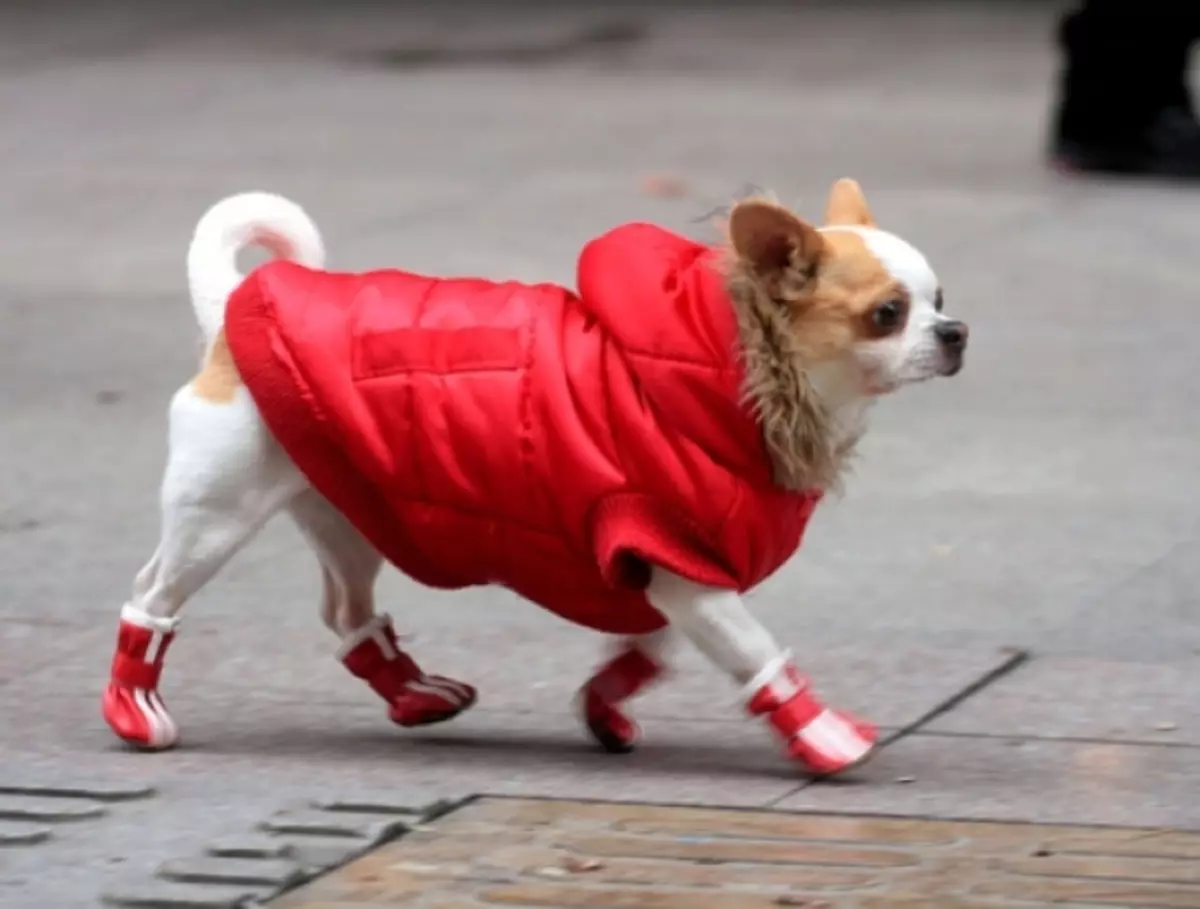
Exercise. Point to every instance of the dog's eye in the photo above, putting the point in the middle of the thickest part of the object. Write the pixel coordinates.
(888, 315)
(937, 300)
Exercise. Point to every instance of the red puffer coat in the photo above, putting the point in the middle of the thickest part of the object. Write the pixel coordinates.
(554, 443)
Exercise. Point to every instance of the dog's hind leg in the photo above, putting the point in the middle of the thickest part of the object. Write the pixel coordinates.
(224, 479)
(370, 649)
(638, 662)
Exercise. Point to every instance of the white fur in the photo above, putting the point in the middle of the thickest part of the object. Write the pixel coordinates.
(914, 354)
(717, 622)
(233, 225)
(226, 476)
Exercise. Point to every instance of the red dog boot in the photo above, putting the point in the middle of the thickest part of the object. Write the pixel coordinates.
(132, 705)
(611, 686)
(414, 699)
(825, 741)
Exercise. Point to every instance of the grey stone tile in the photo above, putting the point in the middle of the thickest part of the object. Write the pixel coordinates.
(1149, 616)
(893, 683)
(354, 825)
(171, 895)
(309, 749)
(380, 802)
(236, 871)
(317, 852)
(202, 803)
(1017, 779)
(15, 833)
(298, 843)
(27, 646)
(24, 808)
(1061, 697)
(534, 665)
(249, 846)
(533, 661)
(75, 784)
(213, 787)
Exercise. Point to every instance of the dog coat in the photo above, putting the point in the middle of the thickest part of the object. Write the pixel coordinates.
(555, 443)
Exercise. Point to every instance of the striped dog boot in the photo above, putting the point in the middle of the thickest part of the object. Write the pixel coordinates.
(823, 741)
(616, 682)
(414, 699)
(132, 706)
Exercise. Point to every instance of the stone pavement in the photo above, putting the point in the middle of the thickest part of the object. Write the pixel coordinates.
(1041, 503)
(572, 855)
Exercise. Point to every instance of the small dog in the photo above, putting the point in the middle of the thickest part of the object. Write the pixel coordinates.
(632, 455)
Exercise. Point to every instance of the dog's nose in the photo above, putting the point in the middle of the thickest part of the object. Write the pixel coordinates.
(952, 334)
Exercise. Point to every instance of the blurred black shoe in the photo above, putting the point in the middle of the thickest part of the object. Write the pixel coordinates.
(1167, 146)
(1123, 100)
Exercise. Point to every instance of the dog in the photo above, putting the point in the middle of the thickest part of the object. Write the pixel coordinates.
(633, 454)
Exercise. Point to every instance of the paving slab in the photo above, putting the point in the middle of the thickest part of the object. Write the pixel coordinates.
(205, 839)
(174, 895)
(1080, 698)
(1021, 780)
(22, 808)
(225, 870)
(47, 810)
(28, 644)
(16, 833)
(526, 663)
(322, 748)
(1149, 617)
(79, 786)
(578, 854)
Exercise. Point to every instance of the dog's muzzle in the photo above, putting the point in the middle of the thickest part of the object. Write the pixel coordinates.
(952, 340)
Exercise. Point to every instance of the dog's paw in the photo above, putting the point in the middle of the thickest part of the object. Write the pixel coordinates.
(833, 743)
(622, 678)
(428, 700)
(612, 730)
(825, 742)
(139, 717)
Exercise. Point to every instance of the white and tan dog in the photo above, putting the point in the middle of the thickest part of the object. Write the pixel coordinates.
(864, 317)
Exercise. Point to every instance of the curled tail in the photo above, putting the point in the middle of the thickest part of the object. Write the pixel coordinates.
(232, 225)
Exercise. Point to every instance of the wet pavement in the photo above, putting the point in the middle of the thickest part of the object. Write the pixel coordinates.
(1008, 587)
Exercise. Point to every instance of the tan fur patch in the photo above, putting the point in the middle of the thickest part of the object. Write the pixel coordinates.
(838, 309)
(792, 319)
(218, 381)
(848, 205)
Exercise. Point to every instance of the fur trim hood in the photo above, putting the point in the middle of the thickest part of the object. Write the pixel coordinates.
(676, 305)
(808, 446)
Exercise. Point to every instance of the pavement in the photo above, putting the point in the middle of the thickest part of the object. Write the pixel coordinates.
(1008, 586)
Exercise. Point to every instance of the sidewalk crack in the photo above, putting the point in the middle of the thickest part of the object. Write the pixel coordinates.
(1015, 658)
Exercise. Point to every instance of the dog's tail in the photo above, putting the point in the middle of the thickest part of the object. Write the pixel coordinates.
(231, 226)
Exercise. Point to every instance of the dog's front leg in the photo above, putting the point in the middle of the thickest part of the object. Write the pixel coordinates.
(824, 741)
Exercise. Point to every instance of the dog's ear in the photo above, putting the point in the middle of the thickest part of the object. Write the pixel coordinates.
(773, 241)
(848, 206)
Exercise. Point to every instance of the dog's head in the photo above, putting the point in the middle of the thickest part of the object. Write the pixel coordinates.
(864, 306)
